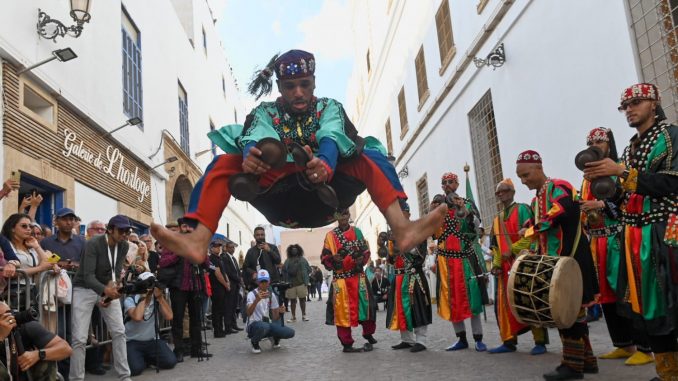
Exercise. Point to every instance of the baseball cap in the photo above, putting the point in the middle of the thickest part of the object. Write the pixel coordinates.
(120, 222)
(218, 239)
(262, 275)
(63, 212)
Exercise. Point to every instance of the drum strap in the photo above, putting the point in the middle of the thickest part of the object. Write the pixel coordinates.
(576, 239)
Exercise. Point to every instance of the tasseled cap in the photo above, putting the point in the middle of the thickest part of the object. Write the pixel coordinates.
(598, 134)
(529, 157)
(640, 91)
(449, 176)
(290, 65)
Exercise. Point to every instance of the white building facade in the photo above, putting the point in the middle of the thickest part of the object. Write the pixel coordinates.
(417, 89)
(160, 61)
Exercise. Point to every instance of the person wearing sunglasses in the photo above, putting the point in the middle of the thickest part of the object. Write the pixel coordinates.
(338, 165)
(648, 170)
(95, 284)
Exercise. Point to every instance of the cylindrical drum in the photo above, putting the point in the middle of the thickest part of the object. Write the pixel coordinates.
(545, 291)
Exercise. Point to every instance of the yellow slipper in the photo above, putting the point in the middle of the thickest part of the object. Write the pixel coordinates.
(639, 358)
(619, 353)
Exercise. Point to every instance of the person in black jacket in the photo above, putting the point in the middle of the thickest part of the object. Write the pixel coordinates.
(261, 256)
(220, 287)
(232, 270)
(380, 287)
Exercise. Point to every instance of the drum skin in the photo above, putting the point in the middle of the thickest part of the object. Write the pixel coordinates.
(548, 291)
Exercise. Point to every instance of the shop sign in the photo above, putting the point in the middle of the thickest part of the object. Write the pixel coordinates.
(111, 164)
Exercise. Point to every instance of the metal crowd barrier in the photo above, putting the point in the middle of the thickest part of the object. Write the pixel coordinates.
(21, 294)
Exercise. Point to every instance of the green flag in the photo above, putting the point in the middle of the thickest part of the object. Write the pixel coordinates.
(469, 192)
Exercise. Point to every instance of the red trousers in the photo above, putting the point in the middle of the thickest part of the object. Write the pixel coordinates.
(344, 333)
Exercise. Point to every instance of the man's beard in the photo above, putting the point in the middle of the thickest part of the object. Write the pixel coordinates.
(261, 240)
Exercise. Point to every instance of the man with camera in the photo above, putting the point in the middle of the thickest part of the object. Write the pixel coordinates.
(95, 283)
(142, 328)
(35, 349)
(380, 287)
(263, 314)
(261, 256)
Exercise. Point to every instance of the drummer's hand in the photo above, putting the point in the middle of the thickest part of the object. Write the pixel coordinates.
(602, 168)
(254, 164)
(315, 168)
(588, 206)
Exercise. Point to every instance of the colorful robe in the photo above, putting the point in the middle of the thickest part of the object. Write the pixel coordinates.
(606, 245)
(557, 229)
(506, 244)
(650, 278)
(350, 300)
(409, 298)
(458, 293)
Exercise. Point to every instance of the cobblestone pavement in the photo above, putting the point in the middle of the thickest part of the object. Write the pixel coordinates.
(314, 354)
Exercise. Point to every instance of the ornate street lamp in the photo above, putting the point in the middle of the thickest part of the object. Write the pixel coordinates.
(50, 28)
(496, 58)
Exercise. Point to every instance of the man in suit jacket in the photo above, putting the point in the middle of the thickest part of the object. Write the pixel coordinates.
(95, 283)
(220, 286)
(232, 270)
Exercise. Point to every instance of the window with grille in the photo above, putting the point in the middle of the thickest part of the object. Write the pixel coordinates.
(444, 30)
(422, 81)
(183, 120)
(389, 138)
(486, 157)
(402, 110)
(422, 195)
(655, 27)
(132, 101)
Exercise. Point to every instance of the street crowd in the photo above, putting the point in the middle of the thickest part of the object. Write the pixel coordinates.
(608, 245)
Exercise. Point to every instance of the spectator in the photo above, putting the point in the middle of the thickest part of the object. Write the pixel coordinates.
(46, 230)
(220, 286)
(153, 256)
(318, 277)
(311, 285)
(296, 270)
(33, 259)
(143, 343)
(36, 231)
(95, 282)
(69, 246)
(41, 347)
(380, 286)
(261, 255)
(12, 261)
(232, 271)
(185, 288)
(95, 228)
(7, 187)
(263, 311)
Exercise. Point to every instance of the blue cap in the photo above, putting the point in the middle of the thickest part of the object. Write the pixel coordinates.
(262, 275)
(219, 239)
(120, 222)
(63, 212)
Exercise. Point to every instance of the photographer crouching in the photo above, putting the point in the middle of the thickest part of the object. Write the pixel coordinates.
(264, 314)
(142, 327)
(34, 350)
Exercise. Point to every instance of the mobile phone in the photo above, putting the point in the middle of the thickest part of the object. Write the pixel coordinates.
(54, 258)
(16, 176)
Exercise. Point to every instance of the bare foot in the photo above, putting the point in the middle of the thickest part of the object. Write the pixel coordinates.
(411, 233)
(192, 246)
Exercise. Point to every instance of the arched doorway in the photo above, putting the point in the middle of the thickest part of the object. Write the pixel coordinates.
(180, 197)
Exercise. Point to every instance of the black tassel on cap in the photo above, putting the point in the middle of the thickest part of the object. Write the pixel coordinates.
(261, 83)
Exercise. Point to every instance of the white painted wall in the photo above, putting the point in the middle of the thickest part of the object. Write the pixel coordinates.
(91, 205)
(562, 77)
(93, 84)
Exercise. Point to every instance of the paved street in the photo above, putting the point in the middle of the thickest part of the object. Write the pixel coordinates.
(314, 353)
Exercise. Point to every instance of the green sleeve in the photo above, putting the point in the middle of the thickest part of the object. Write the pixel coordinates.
(262, 125)
(332, 122)
(226, 138)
